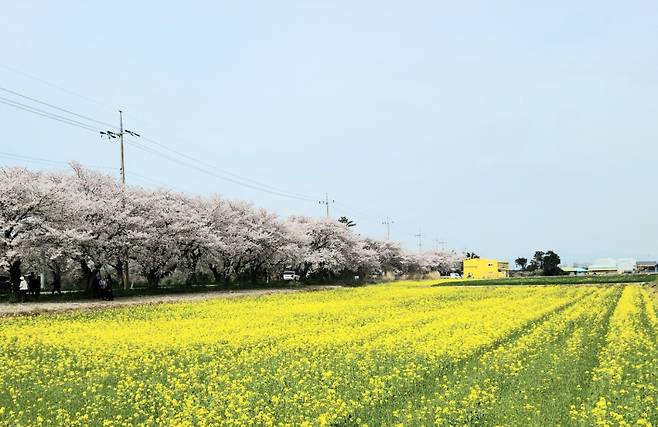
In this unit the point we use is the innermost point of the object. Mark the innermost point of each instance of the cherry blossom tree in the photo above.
(157, 238)
(29, 203)
(85, 220)
(98, 223)
(431, 261)
(389, 255)
(331, 250)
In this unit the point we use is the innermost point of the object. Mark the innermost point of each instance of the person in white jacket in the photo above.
(23, 288)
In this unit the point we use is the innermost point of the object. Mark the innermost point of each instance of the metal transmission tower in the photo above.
(420, 241)
(327, 202)
(113, 135)
(388, 223)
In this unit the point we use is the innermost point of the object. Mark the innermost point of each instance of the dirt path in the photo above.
(7, 309)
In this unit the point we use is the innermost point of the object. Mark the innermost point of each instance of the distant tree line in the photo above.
(544, 263)
(81, 223)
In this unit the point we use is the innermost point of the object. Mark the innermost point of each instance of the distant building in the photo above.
(626, 265)
(647, 267)
(482, 268)
(612, 266)
(603, 266)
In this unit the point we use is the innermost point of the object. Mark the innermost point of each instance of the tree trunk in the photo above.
(215, 273)
(153, 279)
(118, 267)
(87, 280)
(253, 276)
(192, 264)
(57, 279)
(85, 275)
(191, 279)
(304, 272)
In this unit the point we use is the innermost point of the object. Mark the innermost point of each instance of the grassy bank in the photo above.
(555, 280)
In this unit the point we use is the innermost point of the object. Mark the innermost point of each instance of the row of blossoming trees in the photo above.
(83, 223)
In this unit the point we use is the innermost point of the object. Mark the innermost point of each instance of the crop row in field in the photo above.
(404, 353)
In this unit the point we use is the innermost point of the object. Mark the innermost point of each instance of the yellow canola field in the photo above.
(625, 381)
(343, 357)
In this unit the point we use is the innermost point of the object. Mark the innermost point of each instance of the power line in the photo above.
(376, 221)
(47, 114)
(110, 134)
(146, 179)
(48, 161)
(26, 158)
(54, 107)
(58, 87)
(31, 159)
(55, 86)
(236, 176)
(372, 219)
(359, 212)
(239, 180)
(213, 170)
(206, 171)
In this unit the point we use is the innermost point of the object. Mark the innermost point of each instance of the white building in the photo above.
(612, 266)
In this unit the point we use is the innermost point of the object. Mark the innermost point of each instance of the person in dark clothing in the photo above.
(37, 285)
(95, 286)
(109, 296)
(102, 286)
(106, 289)
(57, 286)
(34, 284)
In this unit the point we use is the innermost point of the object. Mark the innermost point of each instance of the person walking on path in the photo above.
(102, 287)
(109, 296)
(23, 287)
(106, 288)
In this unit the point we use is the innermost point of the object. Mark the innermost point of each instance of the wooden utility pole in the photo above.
(114, 135)
(119, 135)
(123, 164)
(420, 241)
(388, 223)
(326, 202)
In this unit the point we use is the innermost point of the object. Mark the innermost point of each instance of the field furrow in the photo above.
(498, 383)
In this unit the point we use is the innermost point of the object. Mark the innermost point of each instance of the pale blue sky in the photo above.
(501, 127)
